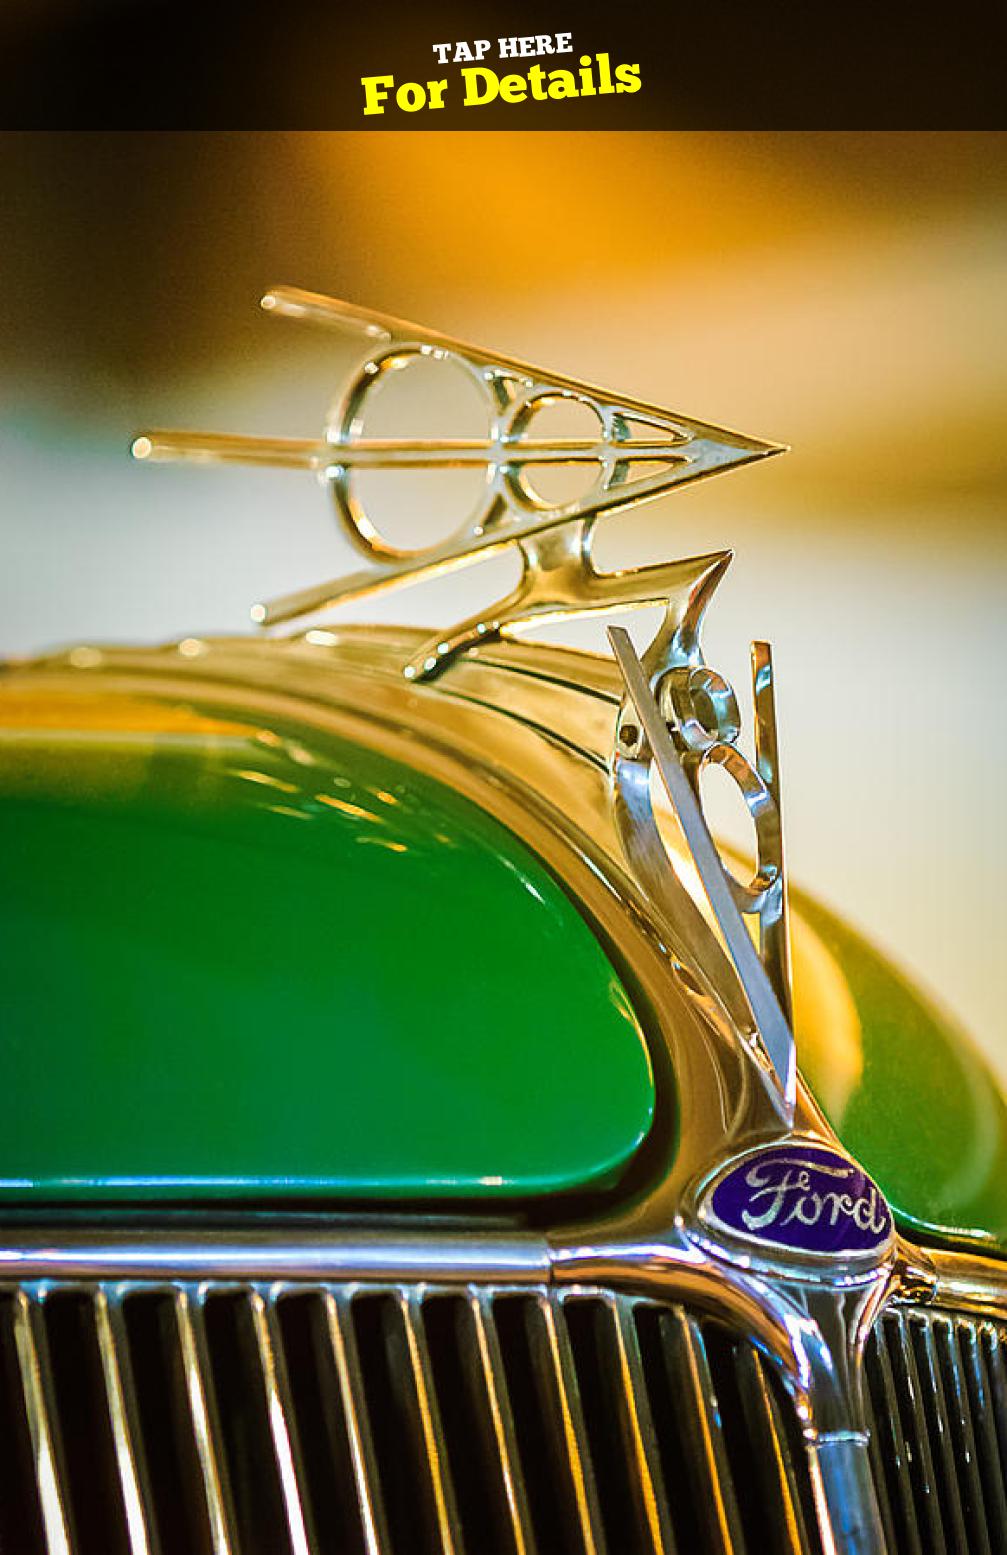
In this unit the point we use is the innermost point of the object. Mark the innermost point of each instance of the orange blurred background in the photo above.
(841, 293)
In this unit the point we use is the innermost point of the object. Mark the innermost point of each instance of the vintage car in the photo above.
(416, 1135)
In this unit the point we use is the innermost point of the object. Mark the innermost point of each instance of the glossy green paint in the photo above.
(232, 964)
(927, 1118)
(236, 964)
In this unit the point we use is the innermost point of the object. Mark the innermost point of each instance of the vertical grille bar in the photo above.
(884, 1445)
(784, 1509)
(627, 1473)
(640, 1426)
(989, 1411)
(470, 1419)
(354, 1401)
(996, 1363)
(114, 1352)
(575, 1438)
(447, 1420)
(939, 1397)
(895, 1331)
(690, 1363)
(962, 1443)
(195, 1361)
(21, 1526)
(36, 1379)
(324, 1456)
(241, 1388)
(899, 1469)
(145, 1324)
(935, 1414)
(93, 1484)
(293, 1481)
(533, 1385)
(502, 1420)
(985, 1422)
(407, 1441)
(448, 1525)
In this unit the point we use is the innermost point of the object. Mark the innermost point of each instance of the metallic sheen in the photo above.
(558, 576)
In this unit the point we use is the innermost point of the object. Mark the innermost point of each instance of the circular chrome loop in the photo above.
(346, 425)
(761, 806)
(511, 403)
(522, 413)
(700, 708)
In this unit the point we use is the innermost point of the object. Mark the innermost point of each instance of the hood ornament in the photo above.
(682, 715)
(559, 578)
(681, 718)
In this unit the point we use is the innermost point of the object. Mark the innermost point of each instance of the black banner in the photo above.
(229, 65)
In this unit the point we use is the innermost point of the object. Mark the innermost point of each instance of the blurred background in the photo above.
(843, 293)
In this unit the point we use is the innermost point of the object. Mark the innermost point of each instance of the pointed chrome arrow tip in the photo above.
(757, 447)
(715, 449)
(708, 571)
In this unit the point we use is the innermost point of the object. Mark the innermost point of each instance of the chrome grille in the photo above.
(386, 1420)
(937, 1386)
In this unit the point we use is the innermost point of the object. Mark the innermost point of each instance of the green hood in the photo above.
(234, 964)
(905, 1090)
(240, 960)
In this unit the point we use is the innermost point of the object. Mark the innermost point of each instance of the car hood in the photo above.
(255, 951)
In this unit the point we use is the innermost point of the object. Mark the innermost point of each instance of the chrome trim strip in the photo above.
(843, 1488)
(967, 1283)
(519, 1258)
(959, 1281)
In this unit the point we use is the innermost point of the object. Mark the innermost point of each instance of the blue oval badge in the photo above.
(804, 1197)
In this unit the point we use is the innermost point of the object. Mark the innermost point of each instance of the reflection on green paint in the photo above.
(231, 964)
(926, 1118)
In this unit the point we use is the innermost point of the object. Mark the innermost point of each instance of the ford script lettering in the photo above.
(803, 1197)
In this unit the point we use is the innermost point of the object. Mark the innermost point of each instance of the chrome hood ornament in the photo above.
(559, 578)
(749, 1211)
(682, 715)
(679, 717)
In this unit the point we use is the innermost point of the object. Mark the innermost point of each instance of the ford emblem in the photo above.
(803, 1197)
